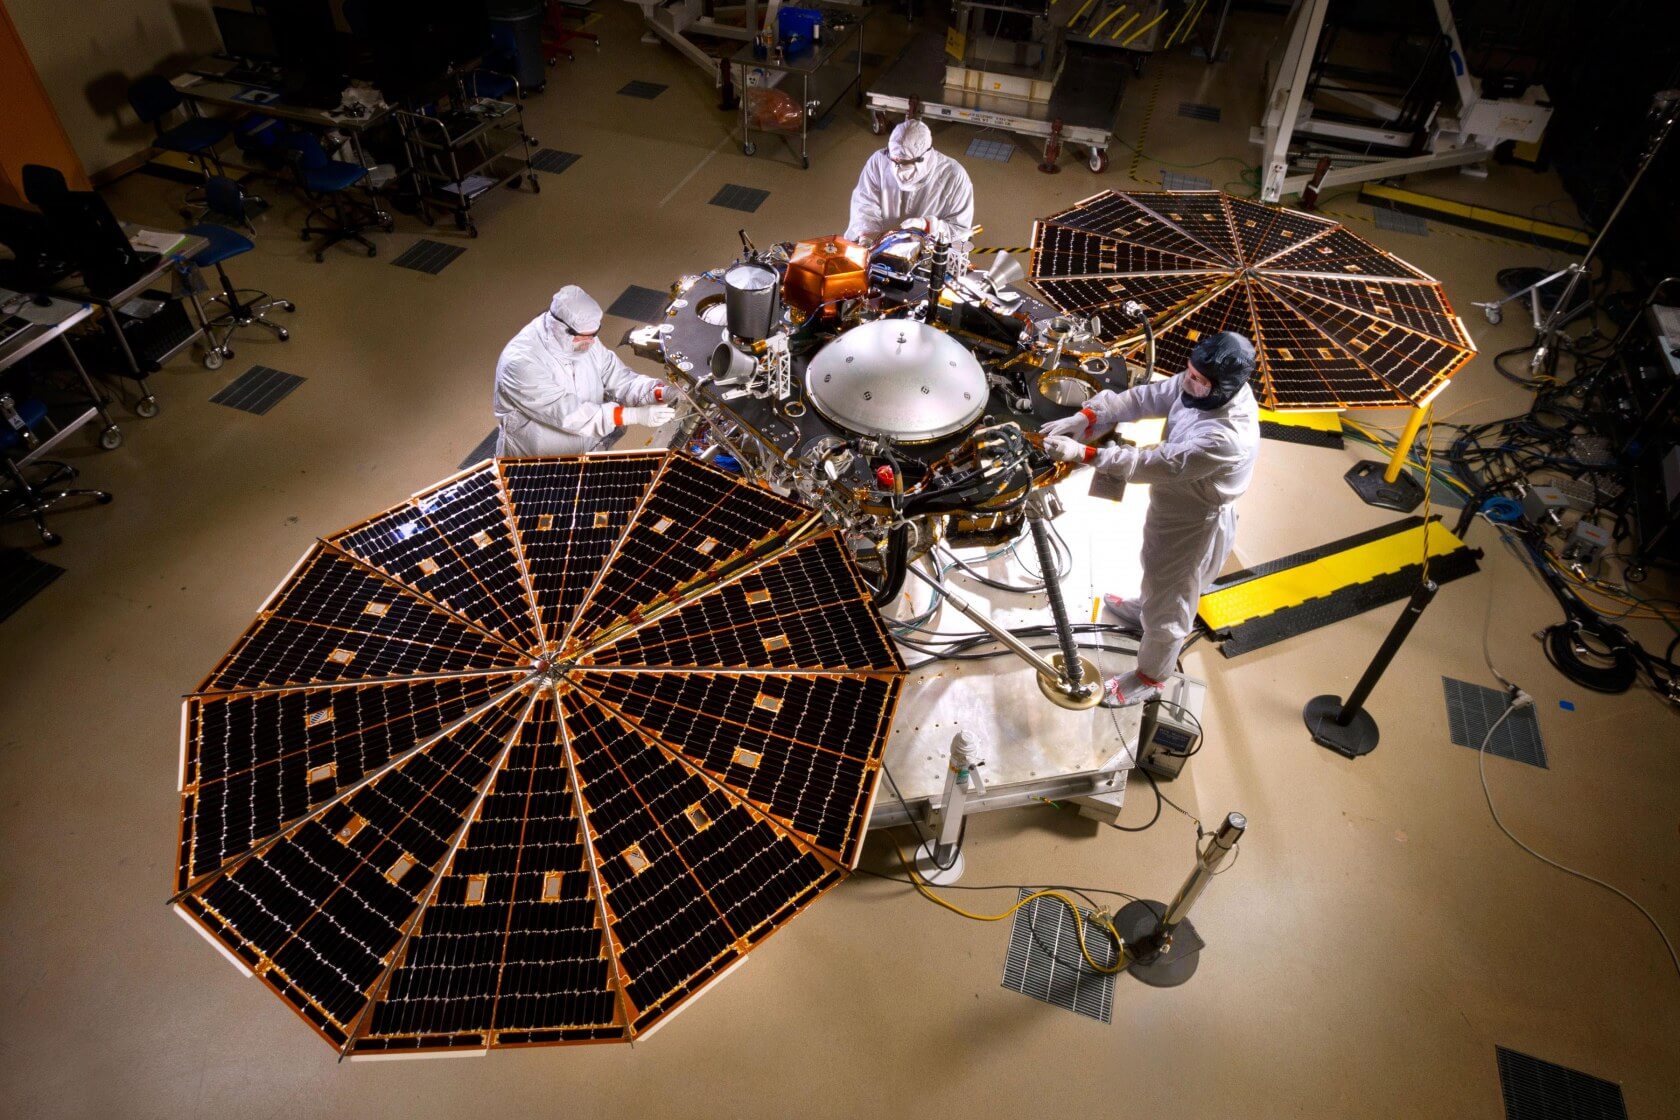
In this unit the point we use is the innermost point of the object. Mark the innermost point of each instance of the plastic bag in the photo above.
(772, 110)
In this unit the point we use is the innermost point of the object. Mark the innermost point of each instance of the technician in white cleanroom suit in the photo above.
(559, 392)
(1195, 475)
(909, 185)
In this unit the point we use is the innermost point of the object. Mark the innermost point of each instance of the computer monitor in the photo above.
(246, 35)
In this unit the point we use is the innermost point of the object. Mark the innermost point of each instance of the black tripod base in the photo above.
(1403, 495)
(1358, 736)
(1139, 925)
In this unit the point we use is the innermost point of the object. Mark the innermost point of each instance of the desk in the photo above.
(189, 246)
(52, 322)
(821, 85)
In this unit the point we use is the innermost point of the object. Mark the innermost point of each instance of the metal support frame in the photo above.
(939, 860)
(1162, 947)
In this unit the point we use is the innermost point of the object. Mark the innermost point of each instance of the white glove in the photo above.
(1076, 425)
(1064, 450)
(648, 415)
(920, 225)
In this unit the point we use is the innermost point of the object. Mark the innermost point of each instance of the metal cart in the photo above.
(460, 154)
(48, 323)
(1082, 110)
(820, 73)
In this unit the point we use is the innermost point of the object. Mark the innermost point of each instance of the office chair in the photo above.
(18, 437)
(242, 307)
(557, 34)
(35, 265)
(153, 99)
(327, 181)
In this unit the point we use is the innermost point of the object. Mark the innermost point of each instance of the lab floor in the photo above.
(1373, 944)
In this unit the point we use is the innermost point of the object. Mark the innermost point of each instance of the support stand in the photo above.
(1389, 486)
(1162, 947)
(939, 861)
(1346, 727)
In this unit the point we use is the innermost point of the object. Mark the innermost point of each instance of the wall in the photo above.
(87, 51)
(32, 133)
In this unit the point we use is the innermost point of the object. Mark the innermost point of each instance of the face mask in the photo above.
(909, 174)
(1213, 397)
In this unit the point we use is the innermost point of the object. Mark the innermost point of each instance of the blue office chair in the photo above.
(328, 182)
(241, 307)
(154, 101)
(19, 425)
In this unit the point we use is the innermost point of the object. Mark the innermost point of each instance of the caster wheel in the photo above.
(748, 148)
(536, 187)
(1098, 161)
(513, 183)
(460, 221)
(111, 438)
(390, 225)
(1634, 574)
(283, 335)
(805, 163)
(51, 538)
(146, 408)
(472, 231)
(213, 359)
(373, 250)
(320, 257)
(877, 123)
(303, 237)
(227, 352)
(1494, 314)
(103, 499)
(288, 306)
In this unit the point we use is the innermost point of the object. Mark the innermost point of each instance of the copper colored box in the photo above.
(823, 271)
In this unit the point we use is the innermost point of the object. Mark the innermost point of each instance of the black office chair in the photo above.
(35, 265)
(242, 307)
(85, 231)
(155, 101)
(328, 183)
(20, 422)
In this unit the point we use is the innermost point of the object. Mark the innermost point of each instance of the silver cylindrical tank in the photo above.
(753, 296)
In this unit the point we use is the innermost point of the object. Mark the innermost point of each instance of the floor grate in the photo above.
(732, 196)
(1534, 1089)
(1199, 112)
(1044, 961)
(1473, 709)
(647, 91)
(21, 578)
(430, 257)
(1174, 181)
(257, 390)
(485, 449)
(553, 161)
(644, 305)
(1398, 222)
(998, 151)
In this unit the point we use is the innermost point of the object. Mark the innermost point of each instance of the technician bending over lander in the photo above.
(1195, 476)
(559, 393)
(911, 186)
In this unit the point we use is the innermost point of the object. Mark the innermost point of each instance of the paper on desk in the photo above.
(160, 241)
(470, 187)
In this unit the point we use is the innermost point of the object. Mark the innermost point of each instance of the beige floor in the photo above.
(1377, 939)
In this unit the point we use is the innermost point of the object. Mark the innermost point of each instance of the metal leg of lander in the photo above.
(1162, 947)
(939, 861)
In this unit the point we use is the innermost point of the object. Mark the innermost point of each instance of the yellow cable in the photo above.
(1102, 917)
(1158, 17)
(1428, 480)
(1121, 30)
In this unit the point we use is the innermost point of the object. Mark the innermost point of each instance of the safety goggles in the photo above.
(907, 163)
(567, 327)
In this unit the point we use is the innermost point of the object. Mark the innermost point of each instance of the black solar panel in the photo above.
(455, 546)
(428, 830)
(1337, 322)
(571, 514)
(696, 519)
(337, 620)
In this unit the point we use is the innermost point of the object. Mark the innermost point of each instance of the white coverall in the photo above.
(943, 194)
(1195, 476)
(552, 400)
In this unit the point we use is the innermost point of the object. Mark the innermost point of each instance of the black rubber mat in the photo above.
(553, 161)
(647, 91)
(1044, 960)
(485, 449)
(1534, 1089)
(733, 196)
(257, 390)
(644, 305)
(1472, 709)
(1199, 112)
(430, 257)
(1318, 552)
(21, 578)
(1307, 437)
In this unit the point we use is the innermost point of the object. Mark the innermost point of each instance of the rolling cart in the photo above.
(819, 73)
(1082, 109)
(460, 154)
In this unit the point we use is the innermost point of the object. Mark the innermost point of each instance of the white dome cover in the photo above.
(897, 378)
